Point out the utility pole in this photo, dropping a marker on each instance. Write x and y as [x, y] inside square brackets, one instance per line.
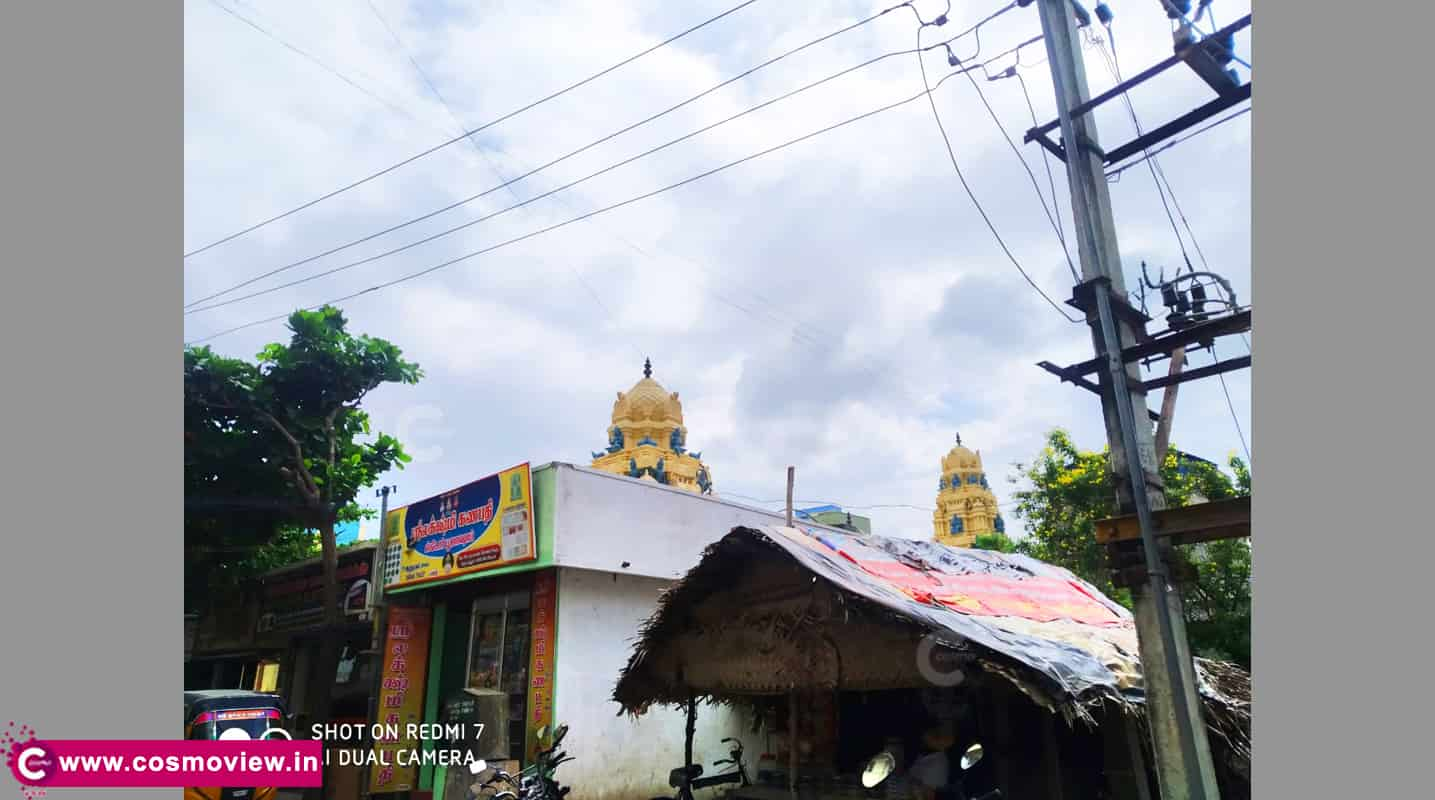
[379, 608]
[1183, 756]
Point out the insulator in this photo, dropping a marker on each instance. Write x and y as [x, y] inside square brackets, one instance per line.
[1175, 9]
[1183, 305]
[1083, 17]
[1168, 296]
[1198, 298]
[1103, 13]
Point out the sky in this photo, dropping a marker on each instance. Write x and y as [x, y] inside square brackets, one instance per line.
[838, 305]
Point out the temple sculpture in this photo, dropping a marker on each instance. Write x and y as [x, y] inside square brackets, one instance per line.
[647, 439]
[966, 507]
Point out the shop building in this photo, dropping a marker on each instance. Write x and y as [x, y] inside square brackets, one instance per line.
[521, 593]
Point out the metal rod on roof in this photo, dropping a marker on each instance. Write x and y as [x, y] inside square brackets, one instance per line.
[790, 473]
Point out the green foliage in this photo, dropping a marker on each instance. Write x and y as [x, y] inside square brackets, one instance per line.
[999, 542]
[274, 448]
[1070, 490]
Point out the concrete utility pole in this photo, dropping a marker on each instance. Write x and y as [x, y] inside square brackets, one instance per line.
[1183, 755]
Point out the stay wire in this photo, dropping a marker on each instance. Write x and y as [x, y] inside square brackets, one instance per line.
[972, 195]
[521, 204]
[485, 126]
[562, 158]
[630, 201]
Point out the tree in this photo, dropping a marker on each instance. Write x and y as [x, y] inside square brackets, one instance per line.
[1070, 489]
[999, 542]
[284, 438]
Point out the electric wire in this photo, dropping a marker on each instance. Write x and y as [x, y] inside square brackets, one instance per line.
[565, 223]
[313, 59]
[1045, 159]
[1232, 406]
[1112, 65]
[797, 325]
[580, 150]
[485, 126]
[522, 204]
[423, 74]
[1035, 185]
[972, 195]
[1169, 145]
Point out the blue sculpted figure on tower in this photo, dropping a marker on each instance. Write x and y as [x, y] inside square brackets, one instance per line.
[985, 485]
[677, 441]
[633, 471]
[661, 473]
[615, 439]
[1000, 524]
[647, 440]
[942, 483]
[957, 525]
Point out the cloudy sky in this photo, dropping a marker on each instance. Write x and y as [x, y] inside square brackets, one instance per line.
[838, 305]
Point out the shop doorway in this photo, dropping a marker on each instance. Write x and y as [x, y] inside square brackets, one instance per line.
[498, 656]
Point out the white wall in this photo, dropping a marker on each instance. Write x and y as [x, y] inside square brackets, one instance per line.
[602, 520]
[619, 758]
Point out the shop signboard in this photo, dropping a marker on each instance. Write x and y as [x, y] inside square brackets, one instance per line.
[401, 699]
[294, 600]
[542, 656]
[477, 527]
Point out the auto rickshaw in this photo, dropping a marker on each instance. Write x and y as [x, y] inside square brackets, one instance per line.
[209, 714]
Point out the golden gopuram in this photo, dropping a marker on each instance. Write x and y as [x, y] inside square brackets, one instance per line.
[966, 507]
[647, 439]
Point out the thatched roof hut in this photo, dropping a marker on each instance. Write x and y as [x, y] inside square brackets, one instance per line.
[769, 610]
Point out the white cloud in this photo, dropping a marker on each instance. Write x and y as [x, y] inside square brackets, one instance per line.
[910, 322]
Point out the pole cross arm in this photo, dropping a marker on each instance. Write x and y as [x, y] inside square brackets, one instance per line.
[1200, 55]
[1202, 522]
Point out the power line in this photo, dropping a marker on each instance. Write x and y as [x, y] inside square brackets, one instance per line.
[1115, 69]
[423, 74]
[1169, 145]
[1045, 158]
[467, 134]
[565, 157]
[521, 204]
[970, 194]
[1232, 406]
[1055, 226]
[630, 201]
[314, 60]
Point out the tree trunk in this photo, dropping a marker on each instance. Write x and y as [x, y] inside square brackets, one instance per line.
[326, 662]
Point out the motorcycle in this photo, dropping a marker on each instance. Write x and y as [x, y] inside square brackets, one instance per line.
[882, 765]
[535, 782]
[685, 780]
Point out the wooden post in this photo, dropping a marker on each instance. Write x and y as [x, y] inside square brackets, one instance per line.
[688, 740]
[790, 472]
[1168, 405]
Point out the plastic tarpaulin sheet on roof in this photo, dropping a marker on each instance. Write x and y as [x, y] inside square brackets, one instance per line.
[1042, 616]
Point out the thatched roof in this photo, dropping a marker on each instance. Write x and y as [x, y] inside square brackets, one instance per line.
[1055, 637]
